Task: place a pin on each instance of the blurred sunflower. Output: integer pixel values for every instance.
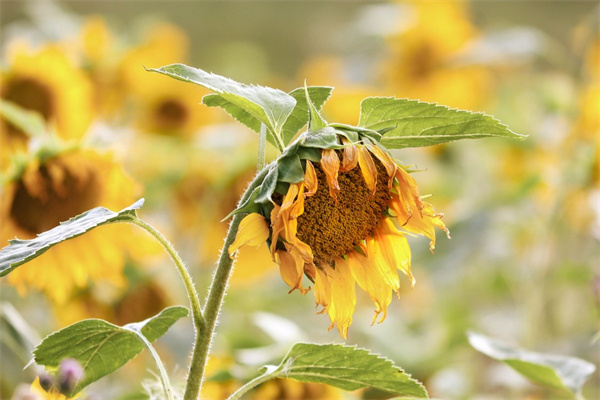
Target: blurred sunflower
(289, 389)
(46, 81)
(203, 189)
(422, 62)
(333, 195)
(54, 189)
(331, 71)
(163, 106)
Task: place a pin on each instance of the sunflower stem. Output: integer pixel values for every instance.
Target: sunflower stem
(214, 300)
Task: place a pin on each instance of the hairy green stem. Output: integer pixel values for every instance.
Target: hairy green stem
(183, 272)
(164, 377)
(262, 146)
(250, 385)
(214, 301)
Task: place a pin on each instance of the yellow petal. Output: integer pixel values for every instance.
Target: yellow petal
(367, 166)
(310, 179)
(371, 281)
(425, 223)
(330, 163)
(394, 247)
(322, 288)
(343, 296)
(350, 156)
(253, 230)
(388, 163)
(291, 268)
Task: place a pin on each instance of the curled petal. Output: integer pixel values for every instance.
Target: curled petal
(388, 163)
(425, 224)
(368, 168)
(291, 269)
(330, 163)
(371, 281)
(394, 248)
(310, 179)
(322, 288)
(253, 231)
(343, 296)
(350, 156)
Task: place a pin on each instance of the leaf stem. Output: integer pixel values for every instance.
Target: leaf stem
(183, 272)
(214, 300)
(164, 377)
(251, 385)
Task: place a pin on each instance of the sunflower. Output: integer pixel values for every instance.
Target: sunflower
(163, 106)
(54, 189)
(46, 81)
(326, 208)
(423, 58)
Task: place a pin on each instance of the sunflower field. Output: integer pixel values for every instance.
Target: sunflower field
(299, 200)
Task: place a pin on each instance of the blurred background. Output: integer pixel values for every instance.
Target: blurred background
(523, 262)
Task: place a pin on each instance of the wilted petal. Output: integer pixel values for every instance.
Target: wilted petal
(291, 269)
(330, 163)
(388, 163)
(395, 248)
(368, 168)
(253, 231)
(343, 296)
(371, 281)
(350, 156)
(425, 223)
(310, 179)
(322, 288)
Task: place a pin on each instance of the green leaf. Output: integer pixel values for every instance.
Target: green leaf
(270, 106)
(30, 122)
(325, 138)
(315, 120)
(289, 169)
(268, 186)
(21, 251)
(299, 117)
(102, 347)
(555, 371)
(295, 121)
(411, 123)
(347, 368)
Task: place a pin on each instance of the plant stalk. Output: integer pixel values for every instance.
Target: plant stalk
(214, 301)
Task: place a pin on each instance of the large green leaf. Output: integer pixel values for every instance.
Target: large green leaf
(21, 251)
(412, 123)
(345, 367)
(30, 122)
(295, 121)
(555, 371)
(102, 347)
(269, 106)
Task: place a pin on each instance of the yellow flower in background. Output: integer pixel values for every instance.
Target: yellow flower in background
(289, 389)
(52, 190)
(422, 62)
(48, 82)
(335, 226)
(345, 105)
(163, 105)
(218, 189)
(96, 39)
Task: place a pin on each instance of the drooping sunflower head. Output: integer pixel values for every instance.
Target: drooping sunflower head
(334, 207)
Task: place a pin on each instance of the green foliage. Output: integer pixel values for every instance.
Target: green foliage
(295, 121)
(412, 123)
(554, 371)
(30, 122)
(21, 251)
(347, 368)
(102, 347)
(270, 106)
